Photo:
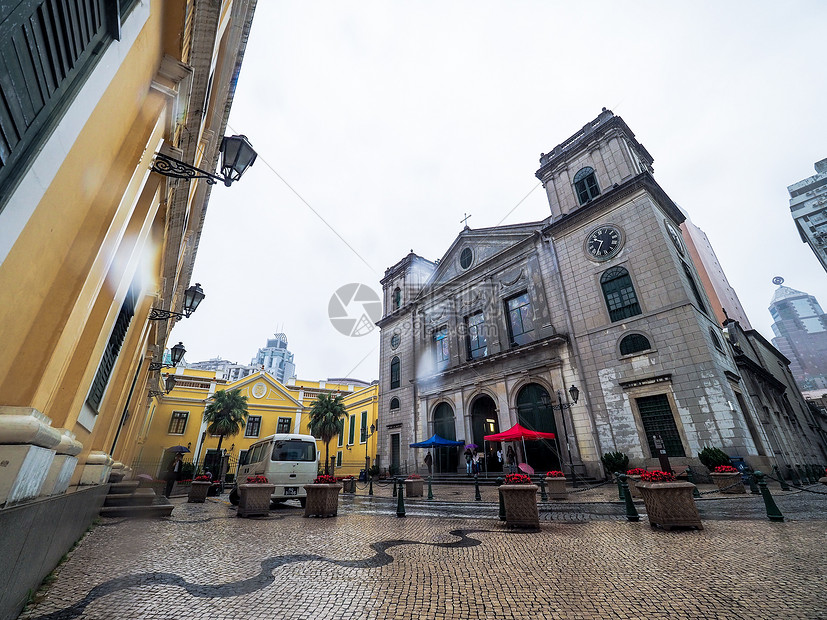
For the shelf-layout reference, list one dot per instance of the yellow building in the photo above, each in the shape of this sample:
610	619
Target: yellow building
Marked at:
177	419
90	239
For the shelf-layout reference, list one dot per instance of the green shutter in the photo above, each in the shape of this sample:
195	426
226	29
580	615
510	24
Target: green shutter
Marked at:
352	430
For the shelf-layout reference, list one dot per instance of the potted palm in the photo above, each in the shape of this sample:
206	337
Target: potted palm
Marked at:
327	420
225	415
322	497
556	484
198	490
413	486
519	496
669	503
632	478
254	496
728	479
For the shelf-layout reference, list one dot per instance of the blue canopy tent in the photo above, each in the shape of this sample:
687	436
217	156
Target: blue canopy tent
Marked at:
435	441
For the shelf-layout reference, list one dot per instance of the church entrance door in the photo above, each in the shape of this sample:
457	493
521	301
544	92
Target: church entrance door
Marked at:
534	412
484	422
446	457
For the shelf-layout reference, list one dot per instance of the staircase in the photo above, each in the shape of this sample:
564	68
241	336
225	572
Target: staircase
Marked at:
128	499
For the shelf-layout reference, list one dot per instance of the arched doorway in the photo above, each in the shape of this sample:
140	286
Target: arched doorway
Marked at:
484	422
445	459
534	412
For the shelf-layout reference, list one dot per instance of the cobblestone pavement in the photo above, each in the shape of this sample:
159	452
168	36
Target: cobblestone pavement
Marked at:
203	562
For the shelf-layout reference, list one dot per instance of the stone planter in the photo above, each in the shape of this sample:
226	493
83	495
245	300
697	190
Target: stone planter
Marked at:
198	492
322	500
254	499
632	482
670	504
823	480
349	485
520	502
413	487
556	488
722	481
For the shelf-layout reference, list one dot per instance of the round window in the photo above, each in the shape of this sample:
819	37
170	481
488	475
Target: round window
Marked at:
395	339
465	258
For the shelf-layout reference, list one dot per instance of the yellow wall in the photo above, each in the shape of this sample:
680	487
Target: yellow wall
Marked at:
267	398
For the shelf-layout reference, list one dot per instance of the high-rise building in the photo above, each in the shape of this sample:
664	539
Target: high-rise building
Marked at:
808	204
800	328
722	297
275	358
231	371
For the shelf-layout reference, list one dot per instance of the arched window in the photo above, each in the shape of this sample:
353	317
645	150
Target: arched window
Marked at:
619	293
715	340
397	298
395	373
693	285
634	343
585	185
394	403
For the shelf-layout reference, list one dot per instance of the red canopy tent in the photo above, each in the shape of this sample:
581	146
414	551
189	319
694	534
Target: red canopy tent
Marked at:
519	433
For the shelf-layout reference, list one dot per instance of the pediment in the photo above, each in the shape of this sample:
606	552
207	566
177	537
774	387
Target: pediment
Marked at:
484	245
263	388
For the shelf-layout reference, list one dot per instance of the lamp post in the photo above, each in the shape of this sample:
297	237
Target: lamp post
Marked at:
237	154
176	354
561	407
192	297
367	457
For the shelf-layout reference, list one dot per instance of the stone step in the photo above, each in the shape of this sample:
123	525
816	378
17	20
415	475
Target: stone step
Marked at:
121	488
155	511
141	497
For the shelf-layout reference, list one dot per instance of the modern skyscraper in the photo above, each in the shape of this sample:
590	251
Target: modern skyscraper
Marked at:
808	204
276	359
800	329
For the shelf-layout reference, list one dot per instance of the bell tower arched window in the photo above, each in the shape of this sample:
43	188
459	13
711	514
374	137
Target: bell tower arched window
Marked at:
585	185
619	293
397	298
395	373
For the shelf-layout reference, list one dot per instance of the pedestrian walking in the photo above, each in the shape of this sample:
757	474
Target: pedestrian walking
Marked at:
174	470
429	461
511	459
468	462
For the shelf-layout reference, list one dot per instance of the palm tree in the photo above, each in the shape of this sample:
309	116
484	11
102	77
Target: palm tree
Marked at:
327	420
226	414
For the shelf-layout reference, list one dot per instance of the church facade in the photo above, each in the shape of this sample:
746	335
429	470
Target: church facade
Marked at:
591	324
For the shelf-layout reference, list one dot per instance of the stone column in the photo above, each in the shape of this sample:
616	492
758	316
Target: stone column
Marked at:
27	449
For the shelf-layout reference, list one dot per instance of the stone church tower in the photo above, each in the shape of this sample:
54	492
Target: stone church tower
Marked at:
590	324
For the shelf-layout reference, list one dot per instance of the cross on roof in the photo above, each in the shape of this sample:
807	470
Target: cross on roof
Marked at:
465	220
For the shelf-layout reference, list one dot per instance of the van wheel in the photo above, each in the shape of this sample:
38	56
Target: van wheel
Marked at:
275	502
302	501
234	497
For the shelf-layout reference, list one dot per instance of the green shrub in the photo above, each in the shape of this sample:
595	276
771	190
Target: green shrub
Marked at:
713	457
615	461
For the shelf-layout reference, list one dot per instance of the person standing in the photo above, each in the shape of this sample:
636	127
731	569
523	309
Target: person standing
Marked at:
429	462
511	459
468	462
174	470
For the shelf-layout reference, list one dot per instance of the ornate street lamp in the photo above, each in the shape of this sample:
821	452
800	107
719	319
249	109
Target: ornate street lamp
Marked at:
367	457
237	154
193	296
169	384
561	407
176	354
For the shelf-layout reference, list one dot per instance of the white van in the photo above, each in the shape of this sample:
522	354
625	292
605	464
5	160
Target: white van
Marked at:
288	460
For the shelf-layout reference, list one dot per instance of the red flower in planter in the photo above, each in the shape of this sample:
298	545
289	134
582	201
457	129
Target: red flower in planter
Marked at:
517	479
414	477
203	479
657	476
725	469
637	471
555	474
257	480
325	479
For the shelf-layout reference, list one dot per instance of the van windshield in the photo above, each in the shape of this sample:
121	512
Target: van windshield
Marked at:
294	450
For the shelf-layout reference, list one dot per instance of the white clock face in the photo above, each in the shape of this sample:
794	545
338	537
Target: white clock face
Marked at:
604	242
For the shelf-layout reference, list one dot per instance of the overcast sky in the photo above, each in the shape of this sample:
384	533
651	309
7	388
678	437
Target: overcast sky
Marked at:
393	119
